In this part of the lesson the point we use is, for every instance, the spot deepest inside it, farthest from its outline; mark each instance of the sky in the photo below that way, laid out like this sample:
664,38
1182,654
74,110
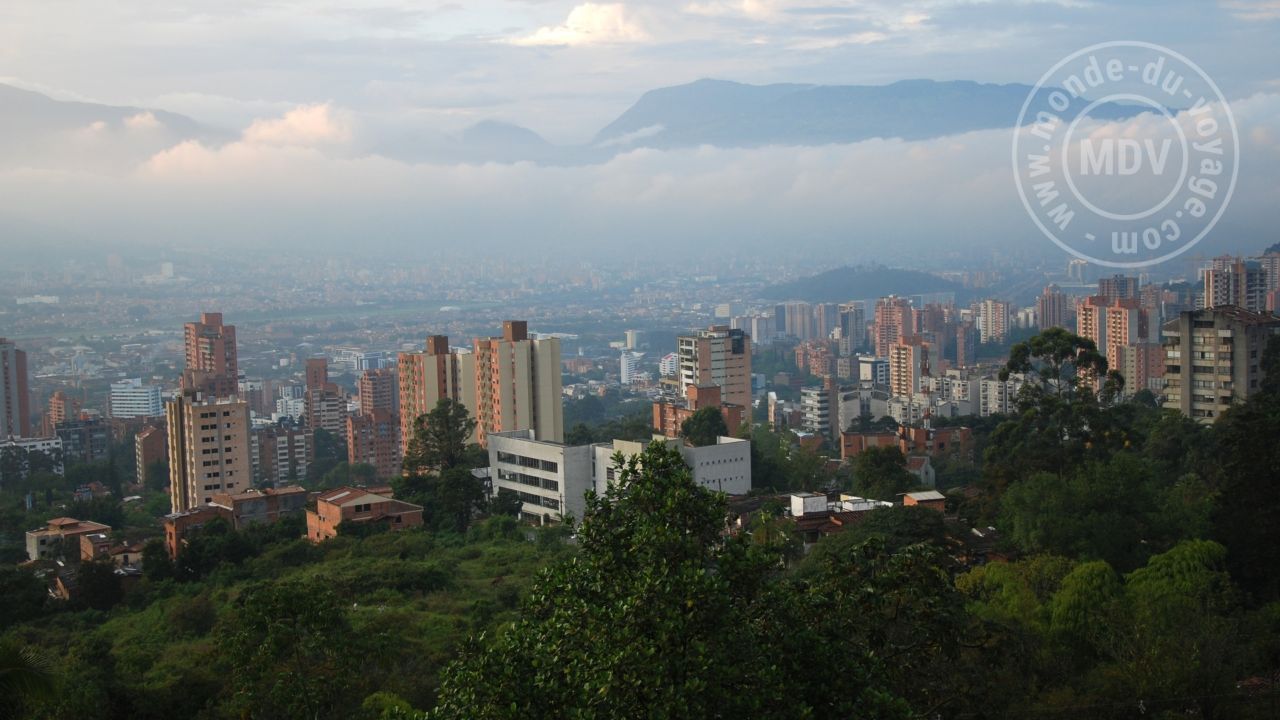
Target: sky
304,89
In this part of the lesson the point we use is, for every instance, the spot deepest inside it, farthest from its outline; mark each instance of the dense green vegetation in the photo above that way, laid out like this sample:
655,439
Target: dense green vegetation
266,624
1134,574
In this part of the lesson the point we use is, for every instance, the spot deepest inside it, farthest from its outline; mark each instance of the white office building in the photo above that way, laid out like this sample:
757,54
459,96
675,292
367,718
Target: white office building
724,467
552,479
131,399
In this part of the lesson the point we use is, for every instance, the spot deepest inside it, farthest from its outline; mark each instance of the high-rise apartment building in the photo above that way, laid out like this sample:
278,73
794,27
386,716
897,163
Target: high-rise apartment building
325,407
518,384
281,454
209,448
131,399
825,320
430,375
795,319
1139,363
212,365
1242,283
853,324
1052,309
15,397
84,440
61,408
379,391
1091,320
317,373
629,367
1270,264
966,344
1126,325
908,363
510,382
1213,358
373,438
994,325
874,370
893,319
258,393
1118,287
149,447
717,356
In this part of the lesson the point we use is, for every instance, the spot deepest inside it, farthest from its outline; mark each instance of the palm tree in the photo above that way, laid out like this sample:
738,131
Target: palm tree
26,677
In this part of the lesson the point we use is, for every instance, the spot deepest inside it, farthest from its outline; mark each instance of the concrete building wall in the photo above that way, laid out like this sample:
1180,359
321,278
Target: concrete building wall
209,449
551,479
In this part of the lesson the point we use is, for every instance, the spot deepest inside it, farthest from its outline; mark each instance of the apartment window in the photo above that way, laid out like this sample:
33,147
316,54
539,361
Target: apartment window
549,466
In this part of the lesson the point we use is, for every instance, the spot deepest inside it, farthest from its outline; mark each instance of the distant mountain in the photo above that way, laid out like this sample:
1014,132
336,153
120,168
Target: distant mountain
35,127
858,283
505,142
729,114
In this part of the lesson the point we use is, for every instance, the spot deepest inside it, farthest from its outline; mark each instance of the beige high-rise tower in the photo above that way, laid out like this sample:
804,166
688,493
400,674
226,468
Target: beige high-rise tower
507,383
209,450
518,385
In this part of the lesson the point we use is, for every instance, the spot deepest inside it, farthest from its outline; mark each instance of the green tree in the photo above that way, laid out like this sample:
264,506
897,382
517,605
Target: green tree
22,595
896,527
439,438
294,653
1246,517
156,563
26,679
505,502
881,473
99,586
659,614
704,426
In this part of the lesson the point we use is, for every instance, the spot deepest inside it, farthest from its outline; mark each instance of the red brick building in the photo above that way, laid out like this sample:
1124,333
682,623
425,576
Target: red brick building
669,415
373,438
357,505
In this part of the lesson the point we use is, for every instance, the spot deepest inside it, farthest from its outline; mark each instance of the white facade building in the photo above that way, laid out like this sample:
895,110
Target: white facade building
669,365
131,399
551,479
629,366
50,446
724,467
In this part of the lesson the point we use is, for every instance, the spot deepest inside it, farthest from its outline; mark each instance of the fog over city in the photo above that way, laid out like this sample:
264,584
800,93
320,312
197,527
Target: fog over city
421,127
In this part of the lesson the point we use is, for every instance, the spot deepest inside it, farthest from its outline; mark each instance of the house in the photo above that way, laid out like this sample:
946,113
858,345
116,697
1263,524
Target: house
47,542
355,505
816,517
179,526
240,510
922,467
94,545
931,499
254,506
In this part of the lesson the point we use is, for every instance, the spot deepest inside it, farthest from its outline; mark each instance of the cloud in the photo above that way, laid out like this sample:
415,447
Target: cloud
1254,10
308,125
589,24
820,43
145,120
628,138
912,203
